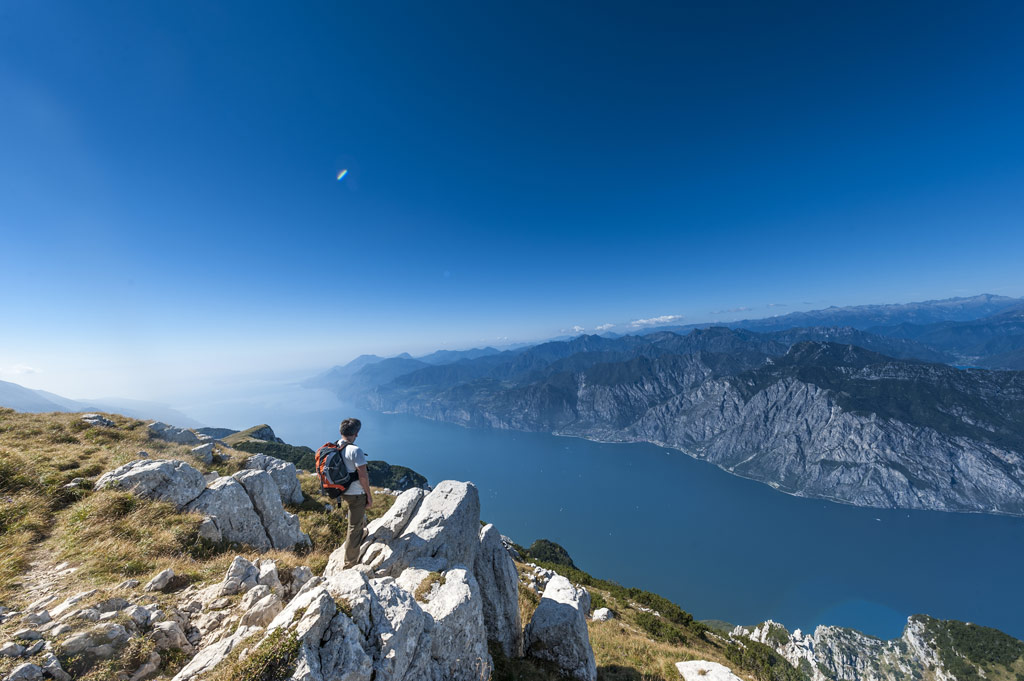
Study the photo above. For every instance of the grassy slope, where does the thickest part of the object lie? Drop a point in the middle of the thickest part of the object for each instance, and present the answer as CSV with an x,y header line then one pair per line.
x,y
110,536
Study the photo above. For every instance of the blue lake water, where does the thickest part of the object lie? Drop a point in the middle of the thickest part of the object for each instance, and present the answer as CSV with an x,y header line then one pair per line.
x,y
720,546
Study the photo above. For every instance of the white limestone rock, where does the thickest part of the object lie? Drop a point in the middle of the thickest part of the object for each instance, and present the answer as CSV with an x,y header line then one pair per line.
x,y
701,670
269,577
284,474
212,655
100,640
98,420
300,575
168,635
26,672
380,532
458,645
261,613
602,615
160,581
558,630
173,481
499,592
442,533
204,452
147,669
225,501
51,667
181,436
72,601
281,527
11,649
241,576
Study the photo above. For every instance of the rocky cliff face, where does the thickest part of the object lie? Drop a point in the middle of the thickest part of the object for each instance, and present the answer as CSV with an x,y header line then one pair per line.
x,y
929,648
822,420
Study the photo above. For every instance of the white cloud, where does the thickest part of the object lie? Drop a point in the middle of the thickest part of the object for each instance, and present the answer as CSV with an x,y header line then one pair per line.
x,y
18,370
604,327
733,310
657,321
577,329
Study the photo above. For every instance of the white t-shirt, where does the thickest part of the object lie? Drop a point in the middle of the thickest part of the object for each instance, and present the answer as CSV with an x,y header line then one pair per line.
x,y
353,457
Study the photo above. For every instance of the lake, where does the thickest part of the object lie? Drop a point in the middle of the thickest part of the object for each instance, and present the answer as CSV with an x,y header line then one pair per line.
x,y
720,546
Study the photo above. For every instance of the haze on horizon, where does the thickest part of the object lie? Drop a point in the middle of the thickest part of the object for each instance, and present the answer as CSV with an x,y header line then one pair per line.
x,y
172,216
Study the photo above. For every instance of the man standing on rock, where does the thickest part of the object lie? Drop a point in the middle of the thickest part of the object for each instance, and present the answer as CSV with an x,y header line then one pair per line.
x,y
358,496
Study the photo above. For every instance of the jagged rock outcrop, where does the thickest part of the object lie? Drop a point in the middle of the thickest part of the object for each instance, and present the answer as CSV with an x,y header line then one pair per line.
x,y
244,508
496,574
173,481
181,436
433,589
928,646
225,502
558,630
284,474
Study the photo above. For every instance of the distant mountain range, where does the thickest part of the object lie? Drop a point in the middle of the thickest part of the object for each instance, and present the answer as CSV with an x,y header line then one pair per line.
x,y
20,398
879,416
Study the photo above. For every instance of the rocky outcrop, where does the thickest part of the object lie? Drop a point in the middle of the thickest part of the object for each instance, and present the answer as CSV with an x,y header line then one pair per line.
x,y
181,436
839,654
558,630
165,480
496,574
432,590
244,508
282,527
284,474
226,503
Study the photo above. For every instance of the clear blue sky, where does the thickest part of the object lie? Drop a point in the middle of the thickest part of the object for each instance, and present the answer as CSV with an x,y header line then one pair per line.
x,y
169,208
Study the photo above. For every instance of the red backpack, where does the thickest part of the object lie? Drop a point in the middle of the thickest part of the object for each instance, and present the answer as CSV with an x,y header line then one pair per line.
x,y
330,468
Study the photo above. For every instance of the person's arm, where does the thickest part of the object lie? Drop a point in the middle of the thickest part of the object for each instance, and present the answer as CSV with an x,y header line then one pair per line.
x,y
364,480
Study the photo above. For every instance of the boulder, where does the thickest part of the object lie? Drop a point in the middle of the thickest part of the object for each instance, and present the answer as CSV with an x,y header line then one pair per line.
x,y
442,533
148,669
26,672
602,615
241,576
27,635
284,474
181,436
35,619
269,577
98,420
253,595
99,641
701,670
499,592
558,630
263,611
173,481
160,581
458,647
225,501
212,655
74,600
51,667
380,532
11,649
204,452
169,636
281,527
300,575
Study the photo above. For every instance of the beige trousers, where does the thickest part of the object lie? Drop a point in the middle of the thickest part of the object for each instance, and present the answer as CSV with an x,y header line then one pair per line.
x,y
356,526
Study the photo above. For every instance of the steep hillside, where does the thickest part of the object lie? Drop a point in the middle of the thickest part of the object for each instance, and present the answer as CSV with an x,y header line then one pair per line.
x,y
815,418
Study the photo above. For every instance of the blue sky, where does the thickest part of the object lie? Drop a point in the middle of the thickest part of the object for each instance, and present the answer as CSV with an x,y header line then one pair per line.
x,y
170,213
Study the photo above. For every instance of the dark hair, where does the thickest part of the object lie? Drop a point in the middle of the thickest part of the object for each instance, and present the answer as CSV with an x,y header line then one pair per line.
x,y
350,427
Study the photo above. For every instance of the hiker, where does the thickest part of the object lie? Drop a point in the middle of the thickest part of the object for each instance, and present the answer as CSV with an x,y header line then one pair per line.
x,y
357,496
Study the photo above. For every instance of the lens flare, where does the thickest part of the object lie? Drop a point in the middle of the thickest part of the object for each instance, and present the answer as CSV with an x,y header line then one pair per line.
x,y
343,173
